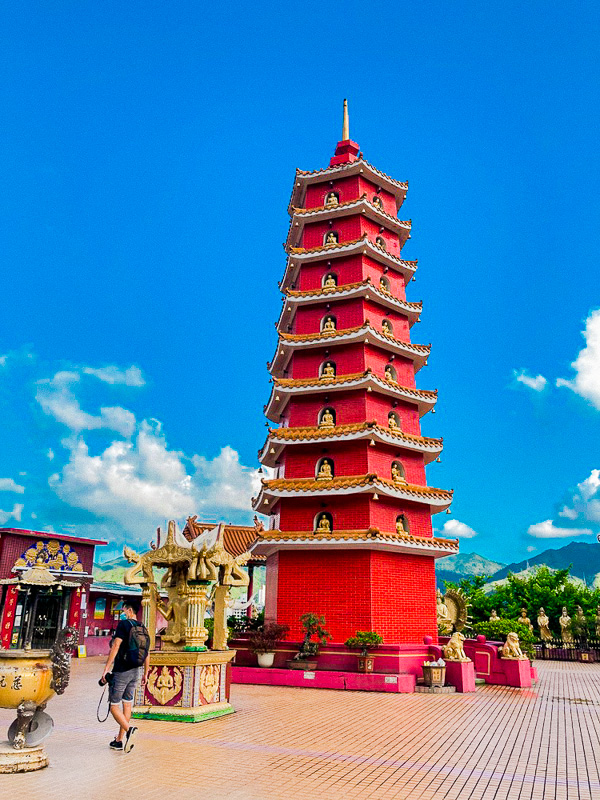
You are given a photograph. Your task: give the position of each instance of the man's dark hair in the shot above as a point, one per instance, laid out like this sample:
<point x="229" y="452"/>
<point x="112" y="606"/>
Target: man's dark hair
<point x="134" y="605"/>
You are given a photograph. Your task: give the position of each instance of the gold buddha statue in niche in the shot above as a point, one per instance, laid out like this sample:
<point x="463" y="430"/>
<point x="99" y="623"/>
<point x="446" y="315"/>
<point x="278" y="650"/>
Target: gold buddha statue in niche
<point x="389" y="375"/>
<point x="327" y="420"/>
<point x="401" y="527"/>
<point x="383" y="285"/>
<point x="331" y="238"/>
<point x="323" y="525"/>
<point x="325" y="472"/>
<point x="397" y="475"/>
<point x="331" y="200"/>
<point x="380" y="242"/>
<point x="377" y="202"/>
<point x="330" y="282"/>
<point x="328" y="371"/>
<point x="393" y="422"/>
<point x="329" y="324"/>
<point x="386" y="327"/>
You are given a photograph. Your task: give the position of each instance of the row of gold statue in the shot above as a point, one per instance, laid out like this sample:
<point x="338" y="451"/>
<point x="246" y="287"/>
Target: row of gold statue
<point x="454" y="650"/>
<point x="332" y="238"/>
<point x="325" y="472"/>
<point x="328" y="371"/>
<point x="332" y="199"/>
<point x="324" y="524"/>
<point x="569" y="628"/>
<point x="327" y="420"/>
<point x="330" y="326"/>
<point x="330" y="282"/>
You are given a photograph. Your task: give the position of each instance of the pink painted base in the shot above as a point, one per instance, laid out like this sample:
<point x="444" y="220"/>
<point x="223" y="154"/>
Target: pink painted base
<point x="461" y="674"/>
<point x="325" y="679"/>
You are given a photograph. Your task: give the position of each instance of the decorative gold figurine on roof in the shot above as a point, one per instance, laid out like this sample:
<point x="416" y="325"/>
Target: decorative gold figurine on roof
<point x="323" y="525"/>
<point x="512" y="649"/>
<point x="524" y="619"/>
<point x="331" y="238"/>
<point x="329" y="324"/>
<point x="331" y="200"/>
<point x="328" y="371"/>
<point x="565" y="627"/>
<point x="327" y="420"/>
<point x="325" y="472"/>
<point x="544" y="625"/>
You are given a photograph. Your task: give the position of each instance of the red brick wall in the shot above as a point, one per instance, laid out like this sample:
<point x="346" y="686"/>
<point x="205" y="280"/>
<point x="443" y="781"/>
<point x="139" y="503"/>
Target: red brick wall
<point x="348" y="358"/>
<point x="349" y="408"/>
<point x="347" y="228"/>
<point x="347" y="314"/>
<point x="392" y="242"/>
<point x="350" y="512"/>
<point x="377" y="358"/>
<point x="347" y="189"/>
<point x="380" y="460"/>
<point x="370" y="189"/>
<point x="349" y="458"/>
<point x="348" y="270"/>
<point x="383" y="514"/>
<point x="378" y="406"/>
<point x="390" y="593"/>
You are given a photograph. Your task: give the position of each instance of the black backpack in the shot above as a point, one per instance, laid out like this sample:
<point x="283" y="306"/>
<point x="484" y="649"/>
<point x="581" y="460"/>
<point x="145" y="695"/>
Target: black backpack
<point x="138" y="645"/>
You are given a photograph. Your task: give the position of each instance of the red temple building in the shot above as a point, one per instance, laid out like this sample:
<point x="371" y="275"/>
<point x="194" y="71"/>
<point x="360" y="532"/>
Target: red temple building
<point x="350" y="533"/>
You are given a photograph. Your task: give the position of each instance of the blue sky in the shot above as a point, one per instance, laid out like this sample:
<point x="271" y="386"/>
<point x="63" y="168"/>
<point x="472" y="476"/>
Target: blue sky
<point x="147" y="154"/>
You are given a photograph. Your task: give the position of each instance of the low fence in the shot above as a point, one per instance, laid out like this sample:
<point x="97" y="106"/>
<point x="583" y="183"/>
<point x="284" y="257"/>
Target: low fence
<point x="577" y="650"/>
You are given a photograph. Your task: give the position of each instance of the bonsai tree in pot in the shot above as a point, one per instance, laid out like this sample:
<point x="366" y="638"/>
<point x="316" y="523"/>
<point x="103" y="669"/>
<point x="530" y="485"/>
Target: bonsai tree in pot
<point x="365" y="640"/>
<point x="263" y="642"/>
<point x="315" y="635"/>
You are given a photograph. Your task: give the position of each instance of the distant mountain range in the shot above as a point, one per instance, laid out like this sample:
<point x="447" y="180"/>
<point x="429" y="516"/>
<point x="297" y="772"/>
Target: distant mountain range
<point x="582" y="557"/>
<point x="111" y="571"/>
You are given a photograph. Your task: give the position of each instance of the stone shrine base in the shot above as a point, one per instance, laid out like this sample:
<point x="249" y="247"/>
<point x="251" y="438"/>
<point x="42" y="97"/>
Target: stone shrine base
<point x="186" y="686"/>
<point x="29" y="759"/>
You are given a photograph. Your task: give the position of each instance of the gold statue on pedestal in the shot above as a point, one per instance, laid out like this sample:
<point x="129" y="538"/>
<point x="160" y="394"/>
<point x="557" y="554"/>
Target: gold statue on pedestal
<point x="401" y="526"/>
<point x="392" y="422"/>
<point x="325" y="472"/>
<point x="330" y="282"/>
<point x="443" y="615"/>
<point x="512" y="649"/>
<point x="397" y="475"/>
<point x="452" y="611"/>
<point x="565" y="627"/>
<point x="544" y="625"/>
<point x="329" y="324"/>
<point x="388" y="374"/>
<point x="454" y="650"/>
<point x="331" y="238"/>
<point x="328" y="371"/>
<point x="331" y="200"/>
<point x="524" y="619"/>
<point x="324" y="526"/>
<point x="327" y="420"/>
<point x="386" y="327"/>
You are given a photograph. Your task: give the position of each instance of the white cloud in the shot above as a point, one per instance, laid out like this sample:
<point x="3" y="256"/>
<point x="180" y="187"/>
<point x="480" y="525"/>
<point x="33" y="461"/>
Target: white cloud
<point x="585" y="503"/>
<point x="531" y="549"/>
<point x="586" y="382"/>
<point x="58" y="400"/>
<point x="50" y="454"/>
<point x="132" y="376"/>
<point x="569" y="513"/>
<point x="547" y="530"/>
<point x="138" y="484"/>
<point x="14" y="514"/>
<point x="455" y="529"/>
<point x="8" y="485"/>
<point x="538" y="383"/>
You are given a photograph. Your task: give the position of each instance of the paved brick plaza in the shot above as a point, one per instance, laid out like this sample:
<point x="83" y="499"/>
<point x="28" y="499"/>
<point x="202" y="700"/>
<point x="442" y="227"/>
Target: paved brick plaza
<point x="297" y="743"/>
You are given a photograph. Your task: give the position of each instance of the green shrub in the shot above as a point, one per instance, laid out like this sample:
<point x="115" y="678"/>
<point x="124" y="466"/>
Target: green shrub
<point x="365" y="640"/>
<point x="498" y="631"/>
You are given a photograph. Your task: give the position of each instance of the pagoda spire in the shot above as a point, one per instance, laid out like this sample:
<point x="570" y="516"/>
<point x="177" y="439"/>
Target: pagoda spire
<point x="346" y="125"/>
<point x="346" y="151"/>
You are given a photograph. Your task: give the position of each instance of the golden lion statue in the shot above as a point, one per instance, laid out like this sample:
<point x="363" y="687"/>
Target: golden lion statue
<point x="454" y="651"/>
<point x="512" y="648"/>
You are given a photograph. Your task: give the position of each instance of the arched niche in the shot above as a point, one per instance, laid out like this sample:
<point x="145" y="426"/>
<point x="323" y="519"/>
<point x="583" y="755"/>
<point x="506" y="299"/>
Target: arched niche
<point x="398" y="472"/>
<point x="324" y="469"/>
<point x="331" y="200"/>
<point x="327" y="417"/>
<point x="323" y="522"/>
<point x="402" y="524"/>
<point x="390" y="373"/>
<point x="330" y="280"/>
<point x="380" y="242"/>
<point x="331" y="237"/>
<point x="393" y="421"/>
<point x="377" y="201"/>
<point x="328" y="323"/>
<point x="386" y="327"/>
<point x="384" y="284"/>
<point x="327" y="370"/>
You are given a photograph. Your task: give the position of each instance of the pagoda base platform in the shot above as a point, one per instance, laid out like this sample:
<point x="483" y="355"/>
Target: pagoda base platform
<point x="186" y="686"/>
<point x="325" y="679"/>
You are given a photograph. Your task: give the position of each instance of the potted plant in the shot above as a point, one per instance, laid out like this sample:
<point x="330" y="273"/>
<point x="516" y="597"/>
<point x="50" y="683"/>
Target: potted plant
<point x="364" y="640"/>
<point x="263" y="642"/>
<point x="306" y="657"/>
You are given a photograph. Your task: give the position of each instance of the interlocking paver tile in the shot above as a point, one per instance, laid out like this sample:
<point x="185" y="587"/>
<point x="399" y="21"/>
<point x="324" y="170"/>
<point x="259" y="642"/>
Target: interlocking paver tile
<point x="497" y="744"/>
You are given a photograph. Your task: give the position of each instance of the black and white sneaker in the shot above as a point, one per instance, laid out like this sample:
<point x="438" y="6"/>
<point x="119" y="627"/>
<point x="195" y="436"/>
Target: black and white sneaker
<point x="129" y="737"/>
<point x="116" y="745"/>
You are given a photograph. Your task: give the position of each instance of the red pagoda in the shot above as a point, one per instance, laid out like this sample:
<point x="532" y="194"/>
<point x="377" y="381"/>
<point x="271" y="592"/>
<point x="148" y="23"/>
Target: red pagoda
<point x="350" y="533"/>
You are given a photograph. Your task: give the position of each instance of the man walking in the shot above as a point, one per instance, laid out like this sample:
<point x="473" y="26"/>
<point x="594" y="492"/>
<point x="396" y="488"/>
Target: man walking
<point x="129" y="660"/>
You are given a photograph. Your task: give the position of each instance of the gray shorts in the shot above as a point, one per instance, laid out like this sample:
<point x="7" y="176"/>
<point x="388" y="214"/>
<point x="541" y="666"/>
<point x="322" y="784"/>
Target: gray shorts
<point x="123" y="686"/>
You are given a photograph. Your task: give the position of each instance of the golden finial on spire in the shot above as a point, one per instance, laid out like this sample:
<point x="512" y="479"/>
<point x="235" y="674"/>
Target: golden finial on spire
<point x="346" y="127"/>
